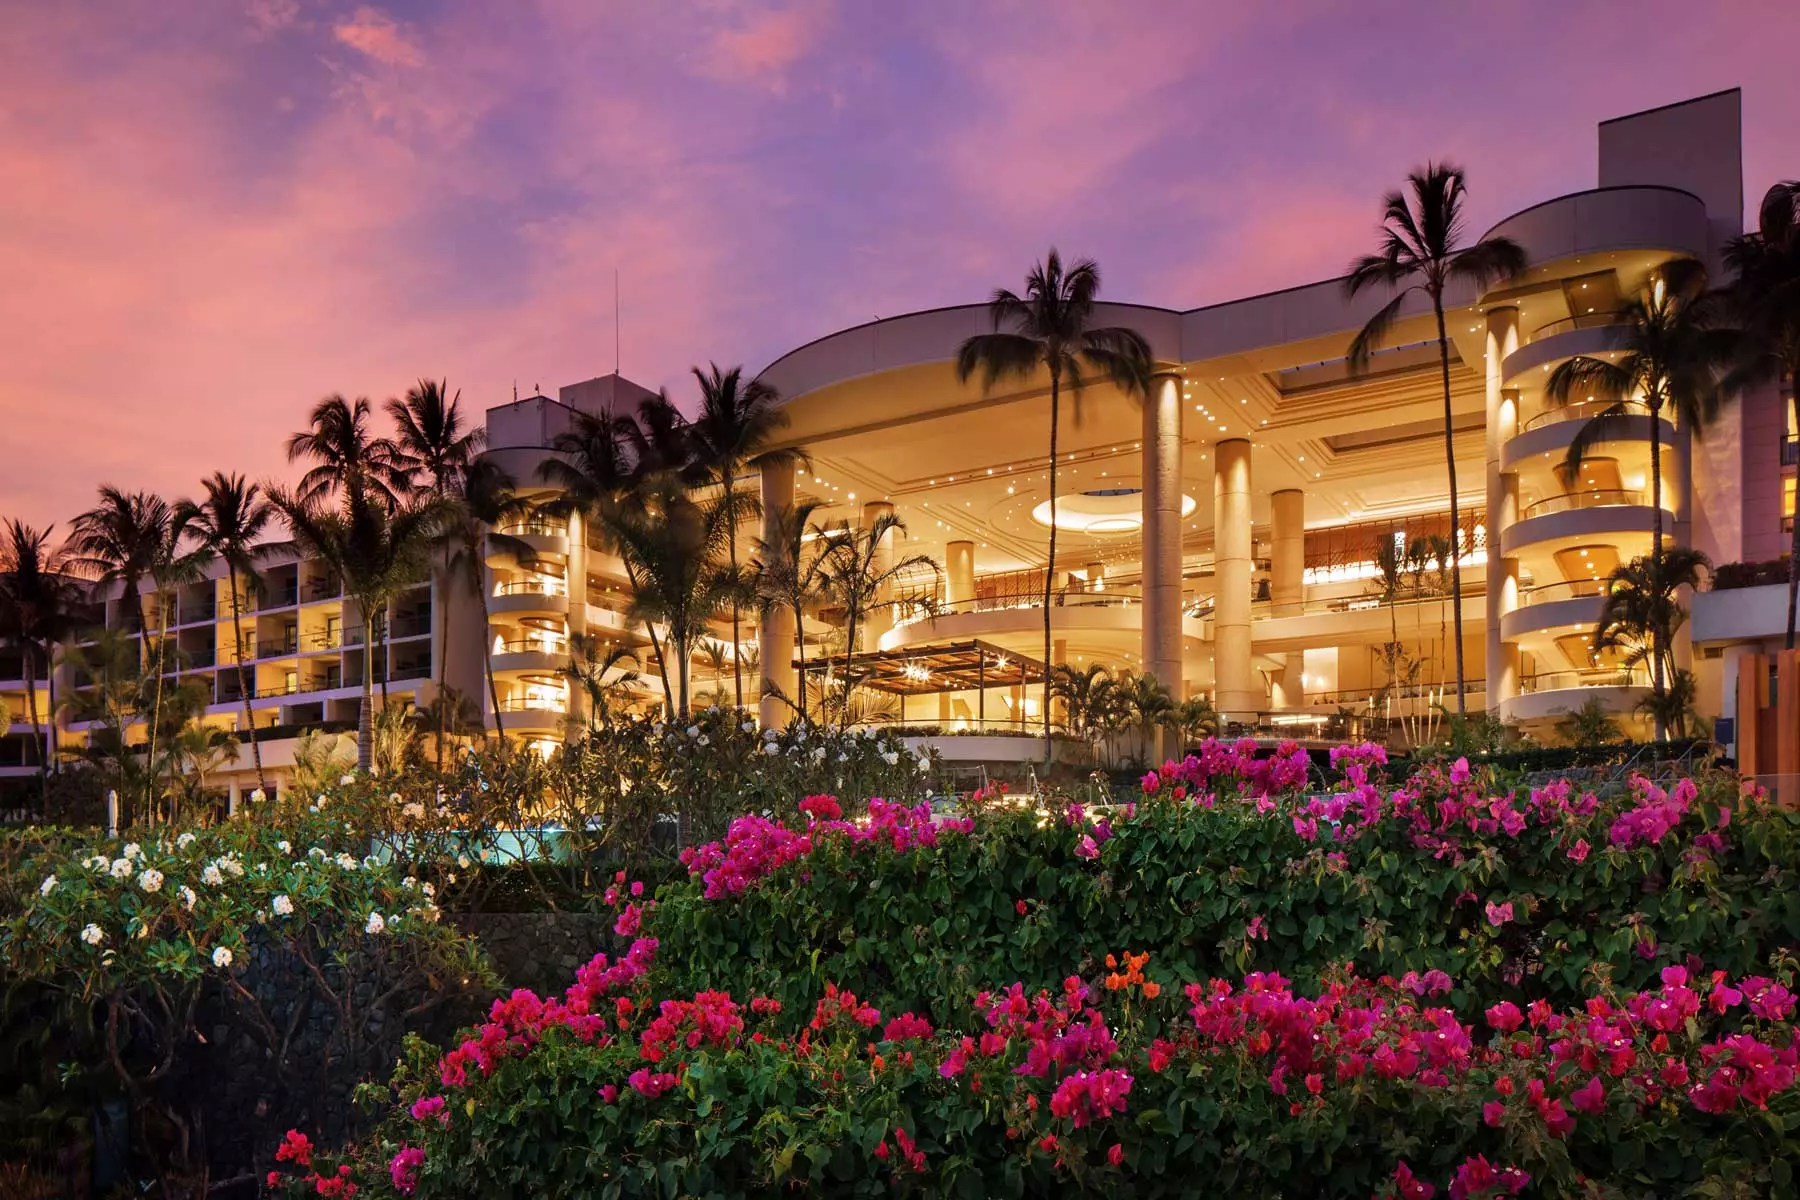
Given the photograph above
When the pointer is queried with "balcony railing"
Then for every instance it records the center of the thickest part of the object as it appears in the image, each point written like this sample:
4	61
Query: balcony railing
532	587
413	671
544	644
1597	320
533	704
1581	410
1599	498
1110	598
1550	681
533	529
203	611
410	625
329	639
1573	589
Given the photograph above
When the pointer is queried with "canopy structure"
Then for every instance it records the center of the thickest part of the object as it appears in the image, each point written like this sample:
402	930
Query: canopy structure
929	670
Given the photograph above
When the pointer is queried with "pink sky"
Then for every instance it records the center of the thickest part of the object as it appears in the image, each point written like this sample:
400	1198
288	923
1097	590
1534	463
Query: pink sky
213	213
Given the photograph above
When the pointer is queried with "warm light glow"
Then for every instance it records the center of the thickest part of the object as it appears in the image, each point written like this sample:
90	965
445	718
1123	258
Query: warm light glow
1102	513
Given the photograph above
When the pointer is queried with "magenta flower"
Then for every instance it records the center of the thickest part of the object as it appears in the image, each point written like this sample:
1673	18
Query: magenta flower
1579	851
1499	914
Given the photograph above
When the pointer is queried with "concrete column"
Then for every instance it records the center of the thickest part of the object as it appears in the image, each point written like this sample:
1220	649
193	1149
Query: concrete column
577	577
776	645
1239	697
1678	473
1501	665
1287	558
881	618
959	572
1162	532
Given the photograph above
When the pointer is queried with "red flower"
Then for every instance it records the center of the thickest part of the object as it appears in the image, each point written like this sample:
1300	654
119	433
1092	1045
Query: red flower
1590	1098
296	1148
1019	907
1115	1154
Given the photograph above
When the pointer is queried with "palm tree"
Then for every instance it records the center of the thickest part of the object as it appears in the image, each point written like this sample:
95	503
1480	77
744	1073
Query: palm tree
1421	252
1641	612
1089	697
672	542
783	574
124	540
231	524
1148	705
1674	355
485	501
1049	329
347	458
378	548
855	576
38	598
437	452
592	661
1193	719
734	433
1766	268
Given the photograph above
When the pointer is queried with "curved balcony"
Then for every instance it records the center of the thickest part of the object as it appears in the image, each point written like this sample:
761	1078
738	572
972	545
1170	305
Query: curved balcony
1553	606
532	540
1552	431
1583	516
1581	410
530	597
544	655
1635	217
531	714
1554	694
1566	341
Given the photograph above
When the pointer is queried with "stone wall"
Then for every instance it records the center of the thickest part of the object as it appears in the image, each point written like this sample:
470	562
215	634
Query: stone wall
541	950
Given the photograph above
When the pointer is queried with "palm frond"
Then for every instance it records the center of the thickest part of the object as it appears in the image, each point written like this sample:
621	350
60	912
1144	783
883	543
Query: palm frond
1374	332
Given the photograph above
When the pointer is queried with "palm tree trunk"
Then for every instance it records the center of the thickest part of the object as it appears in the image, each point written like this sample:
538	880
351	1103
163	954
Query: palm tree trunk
1794	547
1658	640
1437	304
849	653
682	673
37	731
443	676
737	634
162	637
52	736
487	660
237	632
365	719
1050	562
385	623
800	647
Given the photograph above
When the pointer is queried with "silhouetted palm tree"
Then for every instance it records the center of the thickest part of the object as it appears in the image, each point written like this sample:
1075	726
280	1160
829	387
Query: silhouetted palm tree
734	433
1639	616
347	458
785	575
1766	268
1421	251
1049	329
230	524
378	548
38	600
486	502
1673	353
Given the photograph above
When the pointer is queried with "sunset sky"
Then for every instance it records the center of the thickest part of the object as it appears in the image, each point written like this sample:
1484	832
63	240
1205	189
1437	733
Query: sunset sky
212	213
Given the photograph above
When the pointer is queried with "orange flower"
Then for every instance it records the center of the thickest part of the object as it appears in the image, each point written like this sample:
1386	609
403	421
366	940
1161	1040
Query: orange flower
1152	989
1111	963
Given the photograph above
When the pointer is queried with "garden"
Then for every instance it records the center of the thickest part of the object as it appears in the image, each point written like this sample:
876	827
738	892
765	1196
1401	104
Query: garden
808	974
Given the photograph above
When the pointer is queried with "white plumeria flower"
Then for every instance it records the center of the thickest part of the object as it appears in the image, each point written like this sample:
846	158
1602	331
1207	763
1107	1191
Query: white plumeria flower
428	890
222	957
748	726
693	731
462	860
48	886
257	796
151	881
185	840
284	846
315	852
211	876
132	850
773	750
187	897
93	935
234	866
376	924
143	932
346	780
409	882
393	797
414	811
282	906
345	861
891	759
121	867
704	740
98	863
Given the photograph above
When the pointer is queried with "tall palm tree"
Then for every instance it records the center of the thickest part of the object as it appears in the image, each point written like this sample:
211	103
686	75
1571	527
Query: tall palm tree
346	456
735	433
486	501
1421	251
1765	265
855	576
231	524
1675	352
378	547
1639	616
673	542
1049	329
126	539
786	575
38	598
438	452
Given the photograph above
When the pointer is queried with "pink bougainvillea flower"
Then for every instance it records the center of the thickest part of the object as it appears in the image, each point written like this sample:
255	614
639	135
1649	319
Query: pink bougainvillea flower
1499	914
1579	851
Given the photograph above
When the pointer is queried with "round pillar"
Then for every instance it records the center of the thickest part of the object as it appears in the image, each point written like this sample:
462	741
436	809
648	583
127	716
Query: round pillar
776	633
1287	556
959	573
1162	532
1501	659
1238	697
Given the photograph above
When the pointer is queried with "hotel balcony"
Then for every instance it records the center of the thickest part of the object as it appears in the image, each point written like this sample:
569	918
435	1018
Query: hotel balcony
535	595
524	540
1549	695
541	652
1575	517
534	714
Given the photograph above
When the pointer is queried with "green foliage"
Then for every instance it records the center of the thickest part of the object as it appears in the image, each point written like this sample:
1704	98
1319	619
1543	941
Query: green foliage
1589	726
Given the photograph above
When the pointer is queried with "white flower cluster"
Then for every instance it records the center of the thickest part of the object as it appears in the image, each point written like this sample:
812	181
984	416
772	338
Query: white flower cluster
151	880
282	906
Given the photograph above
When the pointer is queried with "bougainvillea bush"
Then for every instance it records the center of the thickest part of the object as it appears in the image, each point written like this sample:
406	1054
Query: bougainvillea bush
1443	987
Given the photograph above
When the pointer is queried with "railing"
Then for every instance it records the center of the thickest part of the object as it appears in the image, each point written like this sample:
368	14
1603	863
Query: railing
1110	598
1790	451
533	704
330	639
198	612
1573	589
1374	696
1599	498
1596	320
533	529
1581	410
417	671
411	625
547	644
287	596
532	587
321	589
285	689
1550	681
201	658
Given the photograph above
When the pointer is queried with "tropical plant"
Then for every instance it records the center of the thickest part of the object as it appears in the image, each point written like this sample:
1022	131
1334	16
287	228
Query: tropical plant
1765	266
785	574
604	671
347	458
1673	354
1641	612
857	572
378	548
38	600
1589	726
1050	329
321	760
1147	707
1089	698
1194	719
196	749
231	524
735	432
1421	251
1674	709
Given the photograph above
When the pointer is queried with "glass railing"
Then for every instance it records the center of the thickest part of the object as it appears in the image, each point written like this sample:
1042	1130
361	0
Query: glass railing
1551	681
549	644
532	587
329	639
1549	593
1581	410
533	704
1108	598
533	529
1599	498
1597	320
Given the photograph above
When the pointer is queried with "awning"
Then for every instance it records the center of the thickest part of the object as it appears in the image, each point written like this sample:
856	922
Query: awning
928	670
